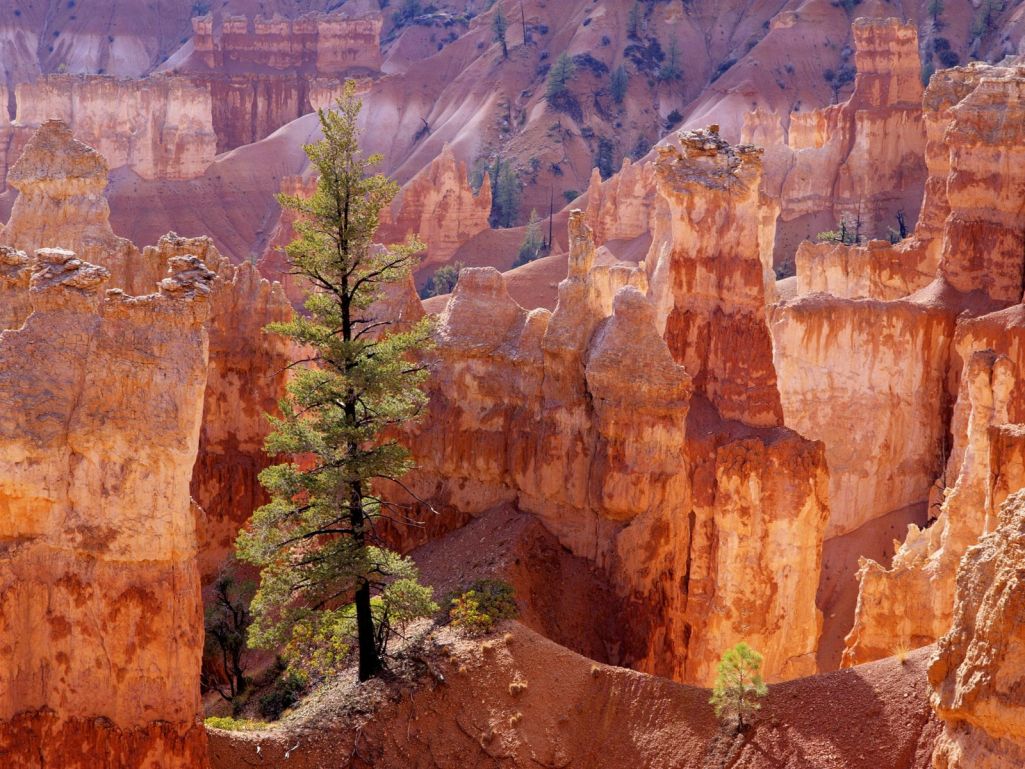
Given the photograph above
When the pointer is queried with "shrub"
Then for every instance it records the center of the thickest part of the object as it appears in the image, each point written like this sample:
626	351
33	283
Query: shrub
230	724
479	608
443	281
949	58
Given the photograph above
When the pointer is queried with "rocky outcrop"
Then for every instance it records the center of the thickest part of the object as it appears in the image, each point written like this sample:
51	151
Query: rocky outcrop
978	672
983	467
583	418
625	206
61	202
714	277
160	127
983	241
981	252
248	370
966	226
860	161
439	206
315	43
100	612
61	183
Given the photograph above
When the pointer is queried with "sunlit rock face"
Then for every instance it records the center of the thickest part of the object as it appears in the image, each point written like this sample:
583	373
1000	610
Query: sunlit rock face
61	184
439	206
61	203
979	669
868	378
714	278
978	465
584	418
160	127
100	611
859	161
983	466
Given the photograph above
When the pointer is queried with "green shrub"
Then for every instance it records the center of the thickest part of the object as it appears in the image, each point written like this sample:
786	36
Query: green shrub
230	724
482	605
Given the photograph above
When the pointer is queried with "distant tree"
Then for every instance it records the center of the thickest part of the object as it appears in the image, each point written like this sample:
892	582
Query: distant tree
533	241
935	10
559	77
226	624
670	69
499	26
314	542
604	159
619	84
505	198
633	21
739	687
443	281
844	234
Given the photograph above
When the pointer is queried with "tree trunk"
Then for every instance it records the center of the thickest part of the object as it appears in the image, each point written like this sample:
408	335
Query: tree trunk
369	659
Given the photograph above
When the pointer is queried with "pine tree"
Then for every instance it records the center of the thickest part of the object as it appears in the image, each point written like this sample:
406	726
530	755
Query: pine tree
558	78
633	22
738	685
499	26
533	241
670	69
620	82
315	542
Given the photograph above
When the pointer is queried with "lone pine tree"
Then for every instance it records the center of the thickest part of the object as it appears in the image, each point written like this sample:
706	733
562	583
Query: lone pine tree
315	541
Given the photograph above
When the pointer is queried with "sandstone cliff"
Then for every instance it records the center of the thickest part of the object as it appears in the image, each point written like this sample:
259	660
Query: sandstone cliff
61	184
160	127
316	43
977	673
860	161
582	417
61	202
440	207
101	615
980	252
713	278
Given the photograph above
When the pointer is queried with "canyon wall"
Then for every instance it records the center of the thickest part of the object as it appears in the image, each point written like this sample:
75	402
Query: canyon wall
317	43
100	614
161	127
982	255
860	161
605	419
978	671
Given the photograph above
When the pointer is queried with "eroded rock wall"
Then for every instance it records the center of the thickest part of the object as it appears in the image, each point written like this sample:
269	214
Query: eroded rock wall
160	127
978	672
859	161
583	418
440	207
319	43
101	616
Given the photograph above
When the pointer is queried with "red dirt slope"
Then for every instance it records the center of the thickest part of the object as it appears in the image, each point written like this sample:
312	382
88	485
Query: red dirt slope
566	711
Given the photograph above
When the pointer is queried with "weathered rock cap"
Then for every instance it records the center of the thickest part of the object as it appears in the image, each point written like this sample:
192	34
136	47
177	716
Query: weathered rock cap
60	268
